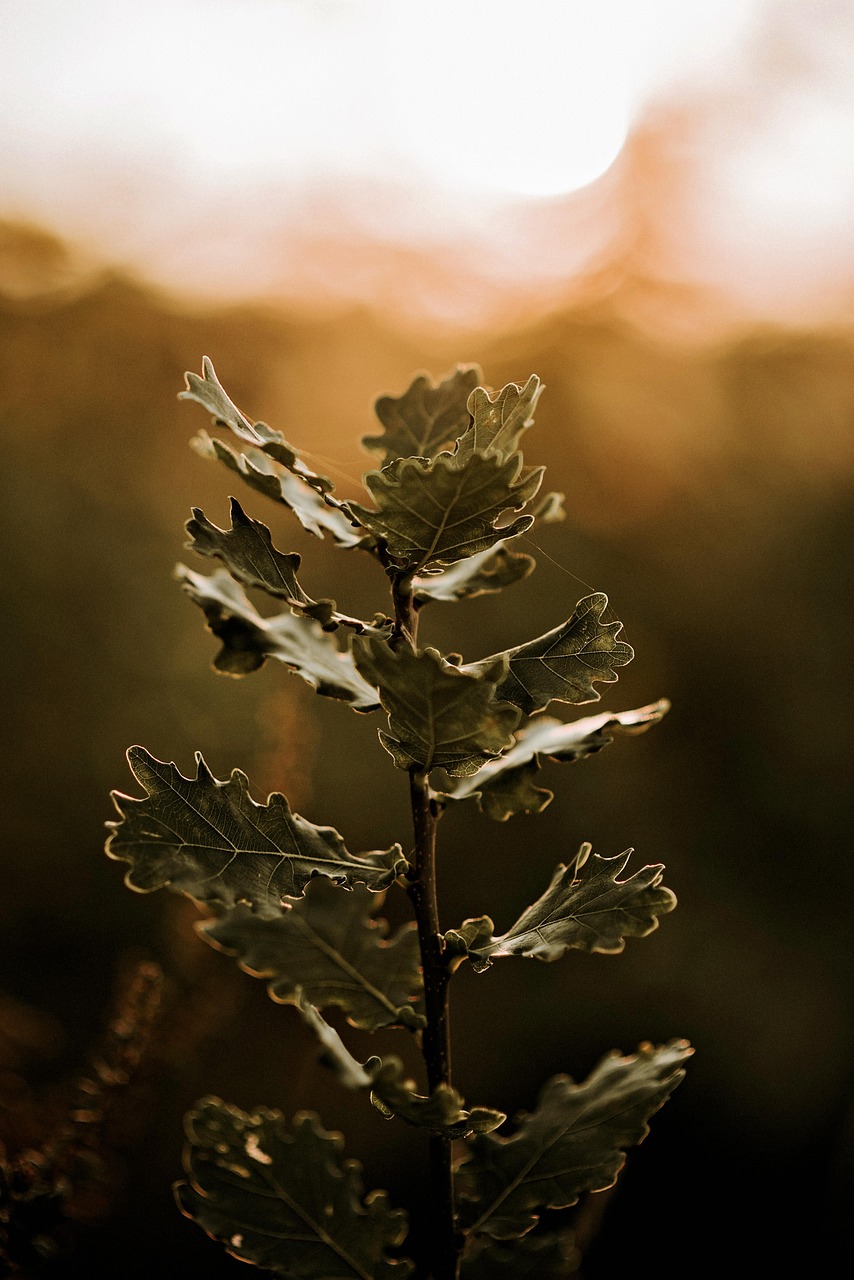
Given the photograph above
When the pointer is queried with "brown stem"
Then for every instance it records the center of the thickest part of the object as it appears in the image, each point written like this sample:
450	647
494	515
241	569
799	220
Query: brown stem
435	1042
435	1038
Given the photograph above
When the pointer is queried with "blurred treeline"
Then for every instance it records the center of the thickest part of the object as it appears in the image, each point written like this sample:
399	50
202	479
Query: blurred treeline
708	492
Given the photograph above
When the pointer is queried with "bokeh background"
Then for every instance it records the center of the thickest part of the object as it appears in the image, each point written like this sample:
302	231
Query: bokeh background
649	206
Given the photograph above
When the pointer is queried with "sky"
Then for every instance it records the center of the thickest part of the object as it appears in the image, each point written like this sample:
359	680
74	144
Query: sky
215	144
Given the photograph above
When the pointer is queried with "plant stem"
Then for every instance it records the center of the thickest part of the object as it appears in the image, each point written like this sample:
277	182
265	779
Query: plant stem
435	1036
435	1039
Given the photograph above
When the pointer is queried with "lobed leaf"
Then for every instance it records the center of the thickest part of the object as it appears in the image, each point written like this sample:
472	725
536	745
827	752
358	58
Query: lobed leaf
439	717
563	664
331	950
393	1093
248	640
547	1256
585	907
318	513
210	394
486	572
247	551
212	841
499	421
574	1142
505	786
427	415
434	512
283	1199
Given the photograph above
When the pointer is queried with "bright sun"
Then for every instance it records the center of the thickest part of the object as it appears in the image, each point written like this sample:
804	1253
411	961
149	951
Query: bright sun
475	96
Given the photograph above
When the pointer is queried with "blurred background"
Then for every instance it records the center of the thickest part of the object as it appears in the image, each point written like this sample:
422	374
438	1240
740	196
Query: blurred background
651	207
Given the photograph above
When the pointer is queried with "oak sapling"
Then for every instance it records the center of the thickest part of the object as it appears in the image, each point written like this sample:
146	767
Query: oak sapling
291	902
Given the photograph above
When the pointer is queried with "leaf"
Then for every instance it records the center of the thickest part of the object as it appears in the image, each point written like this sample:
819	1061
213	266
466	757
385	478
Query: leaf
585	907
549	509
212	841
563	664
498	423
329	947
247	551
488	571
209	393
505	786
248	640
551	1256
434	512
426	416
438	716
393	1094
574	1142
318	513
285	1200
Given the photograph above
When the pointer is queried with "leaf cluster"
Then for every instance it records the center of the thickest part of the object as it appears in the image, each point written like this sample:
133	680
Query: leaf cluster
296	908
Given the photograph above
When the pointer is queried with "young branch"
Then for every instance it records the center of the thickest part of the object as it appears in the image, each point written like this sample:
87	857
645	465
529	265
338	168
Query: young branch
435	1042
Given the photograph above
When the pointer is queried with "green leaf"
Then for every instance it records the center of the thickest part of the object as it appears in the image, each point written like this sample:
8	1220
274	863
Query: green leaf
434	512
330	947
585	907
247	551
574	1142
488	571
283	1199
551	1256
498	422
212	841
438	716
563	664
426	416
505	786
393	1093
248	640
209	393
318	513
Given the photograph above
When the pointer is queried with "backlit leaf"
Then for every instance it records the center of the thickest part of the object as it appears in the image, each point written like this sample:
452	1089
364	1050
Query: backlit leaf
284	1199
505	786
427	415
562	665
585	907
212	841
434	512
393	1093
488	571
318	513
329	948
574	1142
248	640
499	420
209	393
549	508
247	551
439	717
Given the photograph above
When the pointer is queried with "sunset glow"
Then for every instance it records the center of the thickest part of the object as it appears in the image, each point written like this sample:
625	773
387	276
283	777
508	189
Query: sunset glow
184	139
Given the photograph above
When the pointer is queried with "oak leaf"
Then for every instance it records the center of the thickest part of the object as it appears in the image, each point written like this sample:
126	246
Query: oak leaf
329	948
439	717
248	640
574	1142
585	907
506	786
563	665
283	1198
212	841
